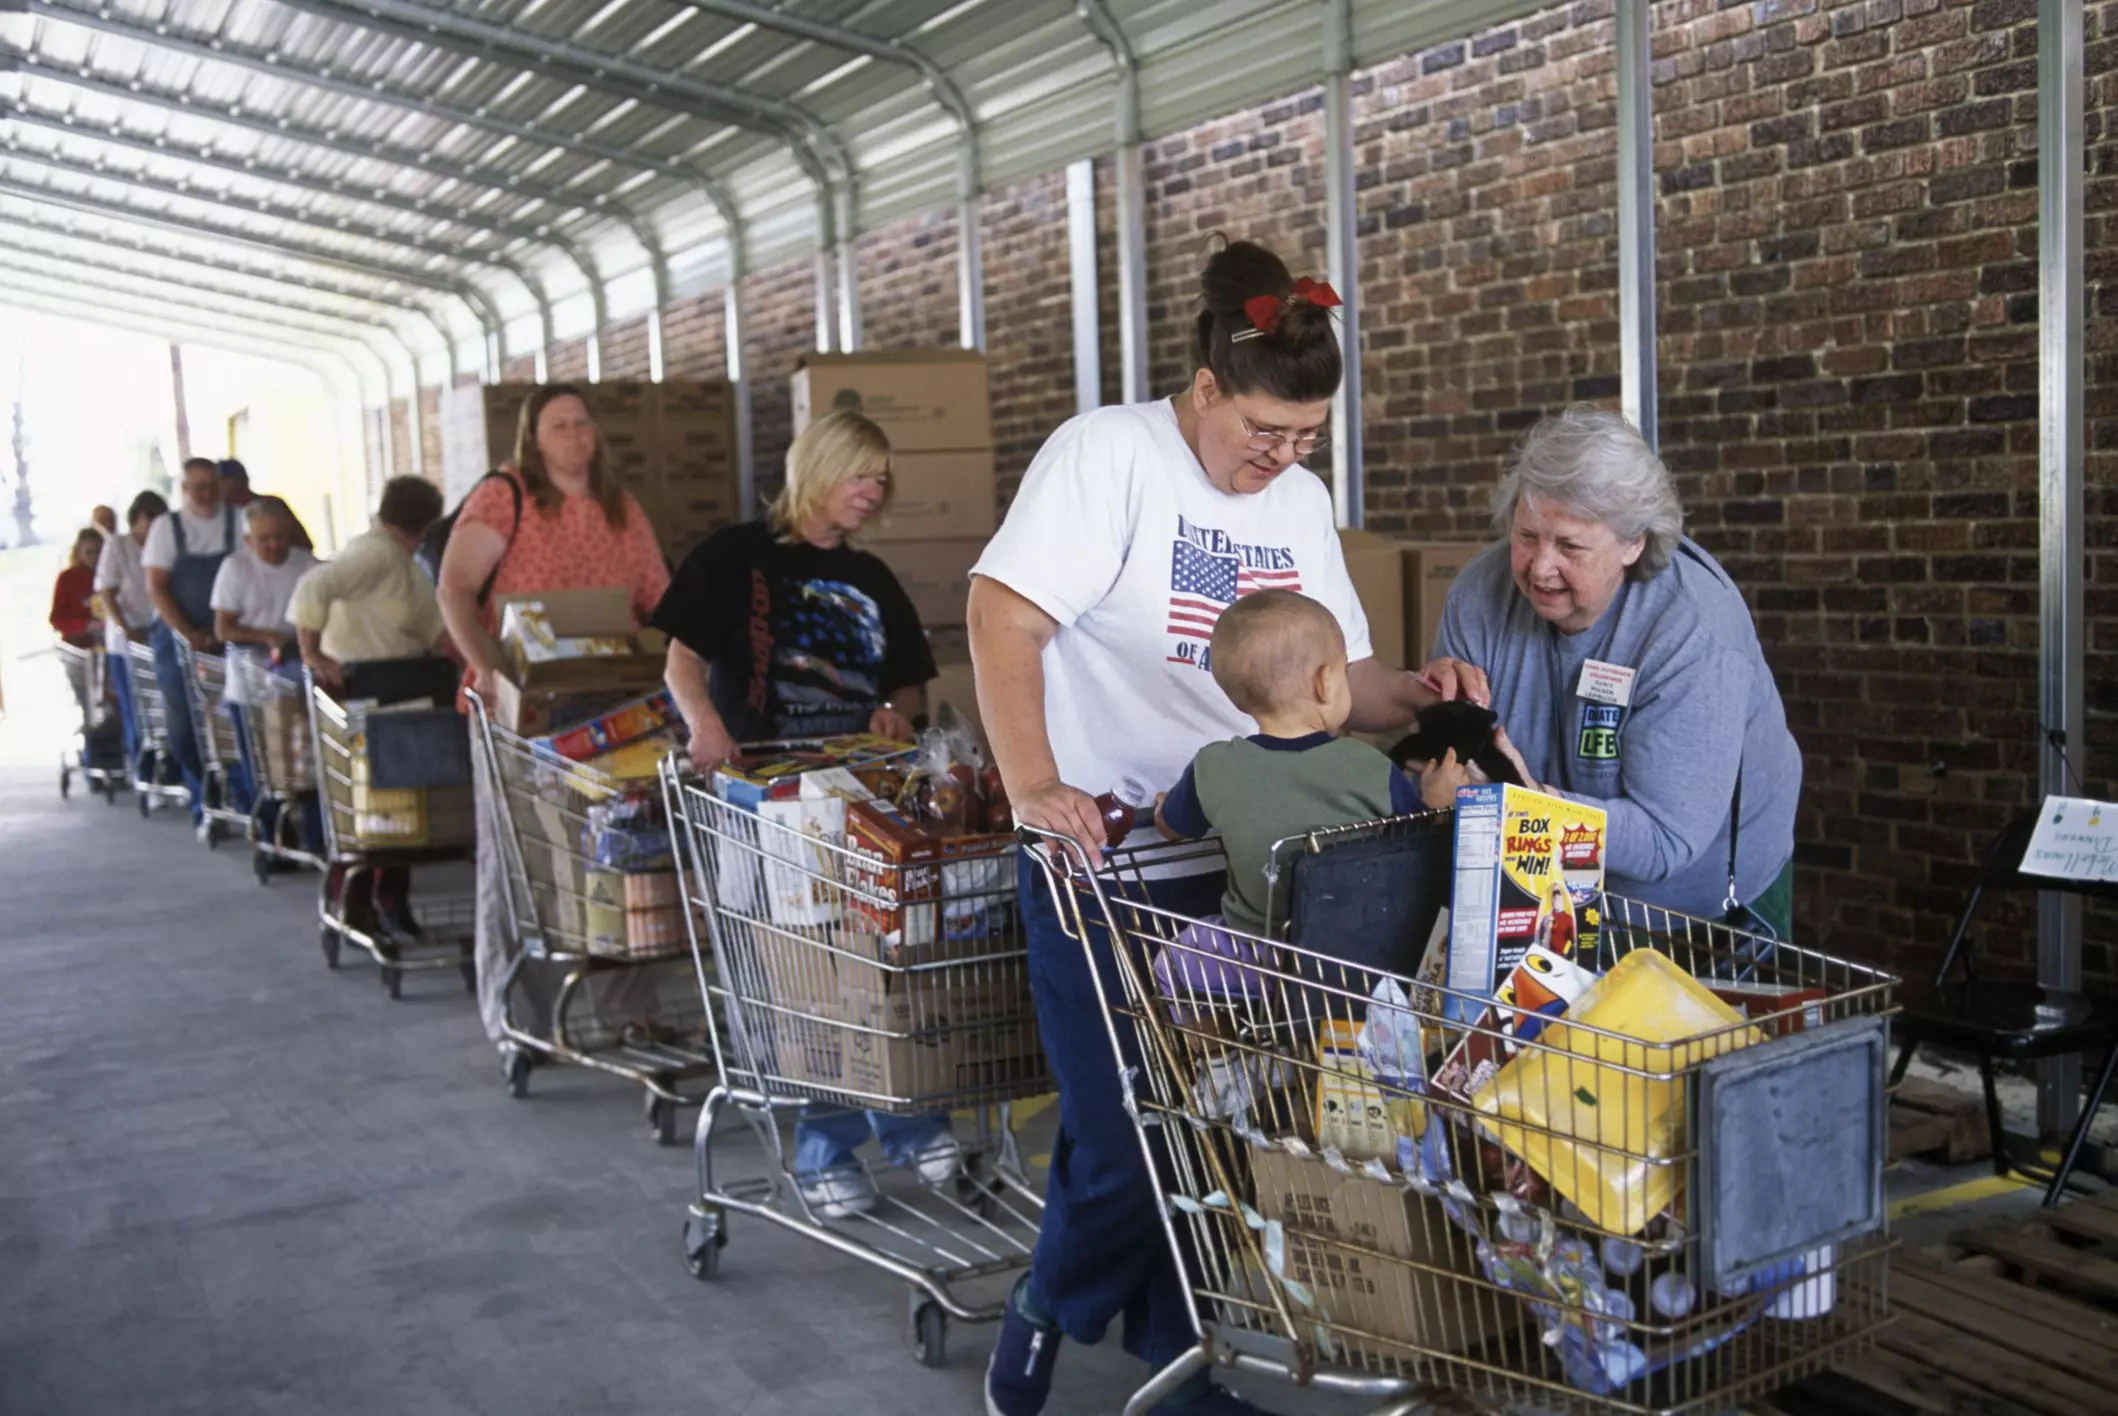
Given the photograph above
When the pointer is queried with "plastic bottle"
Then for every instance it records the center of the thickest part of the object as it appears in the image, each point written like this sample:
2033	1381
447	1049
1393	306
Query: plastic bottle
1124	808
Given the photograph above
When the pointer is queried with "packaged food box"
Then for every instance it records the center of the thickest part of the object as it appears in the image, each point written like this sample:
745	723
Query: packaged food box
1602	1097
621	725
917	888
776	775
1529	874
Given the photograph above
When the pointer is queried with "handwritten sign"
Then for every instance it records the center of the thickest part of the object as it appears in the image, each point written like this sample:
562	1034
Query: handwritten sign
2075	839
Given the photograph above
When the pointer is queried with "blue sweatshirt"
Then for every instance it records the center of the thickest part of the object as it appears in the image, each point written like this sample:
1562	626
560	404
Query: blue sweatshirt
1664	767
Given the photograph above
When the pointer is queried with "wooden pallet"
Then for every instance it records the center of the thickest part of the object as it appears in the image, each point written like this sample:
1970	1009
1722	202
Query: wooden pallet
1927	1118
2007	1320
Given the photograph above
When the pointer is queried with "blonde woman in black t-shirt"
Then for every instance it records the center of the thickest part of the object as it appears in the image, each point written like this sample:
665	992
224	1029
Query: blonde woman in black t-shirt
779	628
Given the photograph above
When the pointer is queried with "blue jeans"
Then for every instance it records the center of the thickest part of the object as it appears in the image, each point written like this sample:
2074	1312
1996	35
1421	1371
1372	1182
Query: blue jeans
119	670
241	774
1101	1249
825	1137
176	704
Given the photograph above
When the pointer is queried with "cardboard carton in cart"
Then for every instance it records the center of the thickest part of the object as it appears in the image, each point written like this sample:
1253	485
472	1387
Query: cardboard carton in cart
1529	875
925	891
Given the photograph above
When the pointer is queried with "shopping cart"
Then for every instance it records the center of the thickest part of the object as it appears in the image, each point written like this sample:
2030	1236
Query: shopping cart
275	727
206	685
845	979
588	890
1558	1216
97	748
395	794
155	776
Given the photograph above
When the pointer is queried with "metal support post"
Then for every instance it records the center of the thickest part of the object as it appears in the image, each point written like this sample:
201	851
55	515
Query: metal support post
848	268
1638	390
739	385
970	274
1081	268
2063	765
1131	204
1342	261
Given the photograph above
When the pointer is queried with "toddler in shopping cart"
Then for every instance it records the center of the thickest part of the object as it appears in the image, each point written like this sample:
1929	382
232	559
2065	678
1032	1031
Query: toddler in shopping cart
1280	657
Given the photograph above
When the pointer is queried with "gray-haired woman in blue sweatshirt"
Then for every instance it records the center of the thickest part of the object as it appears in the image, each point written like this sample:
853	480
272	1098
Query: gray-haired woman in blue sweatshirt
1627	672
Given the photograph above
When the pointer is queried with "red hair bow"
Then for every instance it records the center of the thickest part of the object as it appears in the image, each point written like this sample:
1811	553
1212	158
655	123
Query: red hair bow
1264	311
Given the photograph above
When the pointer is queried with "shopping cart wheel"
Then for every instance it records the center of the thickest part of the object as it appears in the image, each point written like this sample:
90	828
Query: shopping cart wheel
515	1062
392	981
930	1331
328	937
703	1241
661	1120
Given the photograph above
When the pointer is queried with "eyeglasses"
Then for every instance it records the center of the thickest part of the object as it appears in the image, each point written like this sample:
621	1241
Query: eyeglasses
1272	439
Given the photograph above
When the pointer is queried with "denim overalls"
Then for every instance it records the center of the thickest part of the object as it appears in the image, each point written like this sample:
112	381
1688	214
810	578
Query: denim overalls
191	586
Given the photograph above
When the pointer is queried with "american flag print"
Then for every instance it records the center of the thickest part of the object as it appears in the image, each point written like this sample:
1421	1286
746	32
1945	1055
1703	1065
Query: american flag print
1205	579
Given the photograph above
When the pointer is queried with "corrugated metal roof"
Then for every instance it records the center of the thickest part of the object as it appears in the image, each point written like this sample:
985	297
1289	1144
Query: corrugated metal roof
444	164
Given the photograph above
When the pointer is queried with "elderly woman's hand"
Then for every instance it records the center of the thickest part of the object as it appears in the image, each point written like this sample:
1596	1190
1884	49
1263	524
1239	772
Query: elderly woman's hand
1453	678
1508	750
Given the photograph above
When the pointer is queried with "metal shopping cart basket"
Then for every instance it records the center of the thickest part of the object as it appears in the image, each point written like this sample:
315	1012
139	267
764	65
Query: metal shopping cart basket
274	724
1383	1188
155	778
97	748
840	977
592	887
395	794
206	686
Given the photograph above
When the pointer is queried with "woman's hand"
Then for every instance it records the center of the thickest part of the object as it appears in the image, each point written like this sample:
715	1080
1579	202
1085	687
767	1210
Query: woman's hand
485	682
1067	811
888	722
710	744
1456	679
1508	750
328	671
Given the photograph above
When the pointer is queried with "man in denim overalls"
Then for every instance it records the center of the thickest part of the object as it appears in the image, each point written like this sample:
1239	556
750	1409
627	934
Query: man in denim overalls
183	554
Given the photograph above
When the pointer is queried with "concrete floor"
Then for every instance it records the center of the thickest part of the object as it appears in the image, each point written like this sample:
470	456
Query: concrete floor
231	1182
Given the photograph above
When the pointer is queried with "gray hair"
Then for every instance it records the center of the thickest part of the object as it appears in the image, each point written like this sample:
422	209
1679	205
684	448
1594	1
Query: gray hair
1592	462
262	508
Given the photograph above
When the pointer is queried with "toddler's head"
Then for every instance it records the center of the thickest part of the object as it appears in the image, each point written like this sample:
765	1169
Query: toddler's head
1280	657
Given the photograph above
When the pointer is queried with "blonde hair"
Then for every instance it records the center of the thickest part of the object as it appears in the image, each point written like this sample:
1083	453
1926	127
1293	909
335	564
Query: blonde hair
838	447
1268	646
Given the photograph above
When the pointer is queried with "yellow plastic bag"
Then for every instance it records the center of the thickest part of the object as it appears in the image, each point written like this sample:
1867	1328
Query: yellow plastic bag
1608	1112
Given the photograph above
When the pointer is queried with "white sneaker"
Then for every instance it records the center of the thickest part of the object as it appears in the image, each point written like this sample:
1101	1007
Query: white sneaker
839	1194
939	1161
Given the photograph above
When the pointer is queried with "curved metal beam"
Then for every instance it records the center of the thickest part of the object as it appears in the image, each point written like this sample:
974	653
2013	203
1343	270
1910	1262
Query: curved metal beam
376	91
1132	199
217	259
72	299
486	318
299	216
294	177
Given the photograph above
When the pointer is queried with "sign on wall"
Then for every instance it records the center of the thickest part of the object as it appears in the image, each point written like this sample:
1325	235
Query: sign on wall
2075	839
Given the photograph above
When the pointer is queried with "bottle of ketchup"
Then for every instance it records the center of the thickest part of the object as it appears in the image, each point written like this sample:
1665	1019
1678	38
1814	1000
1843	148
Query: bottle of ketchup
1125	808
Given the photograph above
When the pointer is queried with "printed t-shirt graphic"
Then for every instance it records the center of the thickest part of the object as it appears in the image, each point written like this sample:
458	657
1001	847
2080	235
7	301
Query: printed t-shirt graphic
826	648
1208	572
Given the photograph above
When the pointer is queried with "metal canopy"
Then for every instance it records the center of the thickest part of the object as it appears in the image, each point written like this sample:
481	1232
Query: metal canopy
557	164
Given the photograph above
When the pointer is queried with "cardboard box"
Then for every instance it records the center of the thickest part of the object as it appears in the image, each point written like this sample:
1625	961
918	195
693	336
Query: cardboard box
936	575
925	400
536	699
912	884
1403	586
1336	1225
935	495
1430	569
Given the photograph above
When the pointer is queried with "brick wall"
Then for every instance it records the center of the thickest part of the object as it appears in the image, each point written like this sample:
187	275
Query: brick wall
1847	211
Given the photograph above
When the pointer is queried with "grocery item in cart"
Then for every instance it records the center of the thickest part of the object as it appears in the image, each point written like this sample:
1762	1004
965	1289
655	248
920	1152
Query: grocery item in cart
924	888
1601	1105
777	773
623	724
1529	872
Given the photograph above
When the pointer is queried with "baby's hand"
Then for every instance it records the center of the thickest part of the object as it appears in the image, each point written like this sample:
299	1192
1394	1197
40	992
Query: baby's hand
1439	781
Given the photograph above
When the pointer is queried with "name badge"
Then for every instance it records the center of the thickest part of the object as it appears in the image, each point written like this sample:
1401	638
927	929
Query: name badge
1606	683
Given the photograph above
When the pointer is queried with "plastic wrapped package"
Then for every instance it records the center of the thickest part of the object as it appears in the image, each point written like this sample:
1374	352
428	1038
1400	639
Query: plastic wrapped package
1603	1111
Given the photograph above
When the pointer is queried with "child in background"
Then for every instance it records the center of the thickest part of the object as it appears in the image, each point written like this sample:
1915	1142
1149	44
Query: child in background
1281	658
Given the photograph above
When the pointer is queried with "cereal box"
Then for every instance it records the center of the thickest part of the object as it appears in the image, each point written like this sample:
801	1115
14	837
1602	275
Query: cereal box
1529	874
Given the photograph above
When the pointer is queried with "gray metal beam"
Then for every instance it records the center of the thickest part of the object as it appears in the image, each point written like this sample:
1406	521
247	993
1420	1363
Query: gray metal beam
1131	201
22	114
481	310
2063	765
1342	264
1639	388
219	259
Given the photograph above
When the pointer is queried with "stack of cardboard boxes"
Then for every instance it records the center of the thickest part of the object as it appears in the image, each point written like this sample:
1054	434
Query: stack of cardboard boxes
672	445
1402	587
933	404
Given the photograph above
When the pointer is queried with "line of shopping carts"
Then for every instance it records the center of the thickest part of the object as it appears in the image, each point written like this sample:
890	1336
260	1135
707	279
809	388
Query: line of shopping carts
1374	1185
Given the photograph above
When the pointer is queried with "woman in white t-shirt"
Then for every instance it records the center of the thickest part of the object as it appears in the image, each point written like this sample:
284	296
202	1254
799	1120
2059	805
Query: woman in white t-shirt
1090	615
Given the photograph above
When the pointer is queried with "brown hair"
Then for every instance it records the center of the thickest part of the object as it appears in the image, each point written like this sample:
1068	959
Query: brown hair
1268	645
82	537
537	479
1298	362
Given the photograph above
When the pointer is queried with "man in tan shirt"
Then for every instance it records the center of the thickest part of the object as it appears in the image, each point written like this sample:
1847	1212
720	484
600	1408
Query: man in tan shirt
373	601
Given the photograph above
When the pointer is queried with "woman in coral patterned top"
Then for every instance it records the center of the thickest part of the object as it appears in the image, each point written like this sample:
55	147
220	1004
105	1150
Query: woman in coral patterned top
572	527
577	528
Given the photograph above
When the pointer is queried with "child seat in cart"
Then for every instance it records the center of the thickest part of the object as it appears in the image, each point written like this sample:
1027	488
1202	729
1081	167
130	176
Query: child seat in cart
851	959
592	892
226	779
155	778
1644	1177
393	769
96	748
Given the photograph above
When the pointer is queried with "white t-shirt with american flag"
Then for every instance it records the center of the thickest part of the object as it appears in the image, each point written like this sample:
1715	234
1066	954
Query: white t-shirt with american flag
1118	535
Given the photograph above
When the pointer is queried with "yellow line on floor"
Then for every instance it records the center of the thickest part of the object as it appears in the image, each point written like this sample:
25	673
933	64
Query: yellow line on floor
1964	1193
